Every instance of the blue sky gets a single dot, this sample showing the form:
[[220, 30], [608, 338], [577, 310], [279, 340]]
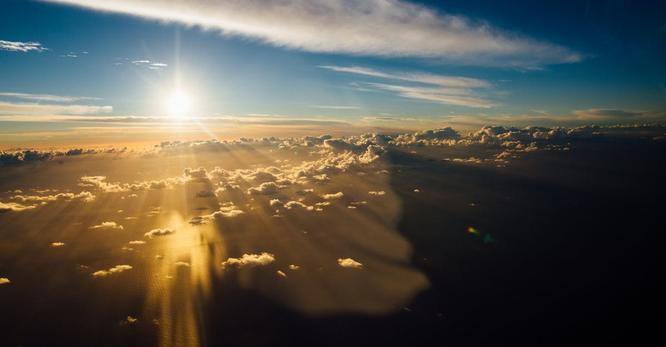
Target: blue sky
[[551, 61]]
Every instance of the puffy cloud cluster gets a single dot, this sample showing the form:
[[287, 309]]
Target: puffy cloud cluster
[[100, 183], [250, 260], [84, 196], [333, 196], [13, 206], [159, 232], [114, 270], [29, 202], [108, 226], [31, 156], [349, 263], [227, 210], [444, 136]]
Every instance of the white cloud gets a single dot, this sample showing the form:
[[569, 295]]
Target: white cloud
[[152, 65], [159, 232], [418, 77], [84, 195], [114, 270], [333, 196], [31, 109], [336, 107], [443, 89], [16, 46], [250, 260], [349, 263], [14, 207], [371, 27], [446, 96], [604, 114], [267, 188], [108, 226], [45, 97], [298, 206], [227, 210]]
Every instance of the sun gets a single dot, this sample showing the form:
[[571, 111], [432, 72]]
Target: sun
[[178, 104]]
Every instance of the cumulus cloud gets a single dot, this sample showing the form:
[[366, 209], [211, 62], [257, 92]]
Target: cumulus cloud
[[114, 270], [15, 207], [328, 25], [333, 196], [84, 196], [298, 206], [349, 263], [108, 226], [266, 188], [100, 183], [17, 46], [159, 232], [249, 260], [227, 210]]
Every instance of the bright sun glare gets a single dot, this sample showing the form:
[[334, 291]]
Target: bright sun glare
[[179, 104]]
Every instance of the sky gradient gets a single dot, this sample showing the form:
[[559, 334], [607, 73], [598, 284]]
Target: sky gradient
[[72, 65]]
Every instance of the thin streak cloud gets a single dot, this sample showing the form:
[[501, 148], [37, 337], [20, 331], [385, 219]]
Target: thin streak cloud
[[443, 89], [45, 97], [24, 47]]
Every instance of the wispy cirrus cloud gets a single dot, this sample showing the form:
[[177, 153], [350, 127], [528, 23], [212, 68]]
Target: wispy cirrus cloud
[[336, 107], [389, 28], [443, 89], [17, 46], [426, 78], [152, 65], [45, 97], [18, 106], [596, 114], [32, 109]]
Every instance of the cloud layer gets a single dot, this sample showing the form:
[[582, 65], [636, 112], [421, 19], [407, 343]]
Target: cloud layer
[[371, 27]]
